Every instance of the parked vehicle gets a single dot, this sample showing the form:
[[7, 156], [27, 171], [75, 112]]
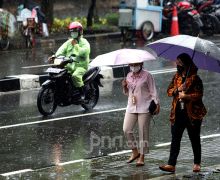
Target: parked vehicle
[[208, 16], [140, 16], [59, 90], [188, 17]]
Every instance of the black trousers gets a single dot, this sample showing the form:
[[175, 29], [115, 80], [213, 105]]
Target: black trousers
[[193, 128]]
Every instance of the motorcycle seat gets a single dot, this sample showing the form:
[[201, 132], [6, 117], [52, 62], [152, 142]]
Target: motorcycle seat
[[90, 74]]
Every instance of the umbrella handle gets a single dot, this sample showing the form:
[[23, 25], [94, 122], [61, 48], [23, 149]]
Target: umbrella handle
[[124, 71]]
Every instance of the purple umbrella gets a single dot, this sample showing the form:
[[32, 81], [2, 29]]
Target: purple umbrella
[[205, 54]]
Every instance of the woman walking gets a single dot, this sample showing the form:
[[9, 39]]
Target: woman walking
[[140, 88], [187, 110]]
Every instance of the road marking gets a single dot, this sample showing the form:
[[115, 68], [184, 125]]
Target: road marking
[[163, 71], [71, 162], [202, 137], [119, 152], [210, 136], [61, 118], [163, 144], [16, 172]]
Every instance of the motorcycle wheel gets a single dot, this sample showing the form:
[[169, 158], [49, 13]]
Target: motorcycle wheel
[[147, 31], [91, 96], [46, 101]]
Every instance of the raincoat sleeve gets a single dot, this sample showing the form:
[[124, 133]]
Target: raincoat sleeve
[[83, 48], [172, 89], [62, 49], [152, 88]]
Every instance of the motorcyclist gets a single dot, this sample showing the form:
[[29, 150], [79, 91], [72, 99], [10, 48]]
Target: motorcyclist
[[80, 48]]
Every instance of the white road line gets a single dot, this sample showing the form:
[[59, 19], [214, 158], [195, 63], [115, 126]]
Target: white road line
[[163, 71], [163, 144], [210, 136], [16, 172], [120, 152], [202, 137], [71, 162], [61, 118]]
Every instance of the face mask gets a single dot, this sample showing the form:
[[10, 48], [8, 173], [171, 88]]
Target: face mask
[[74, 35], [180, 69], [135, 69]]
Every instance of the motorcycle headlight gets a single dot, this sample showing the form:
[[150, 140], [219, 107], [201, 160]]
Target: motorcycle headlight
[[57, 61]]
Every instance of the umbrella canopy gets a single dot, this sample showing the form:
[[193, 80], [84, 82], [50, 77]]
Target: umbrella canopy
[[121, 57], [205, 54]]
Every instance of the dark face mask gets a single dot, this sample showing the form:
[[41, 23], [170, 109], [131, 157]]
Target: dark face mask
[[180, 69]]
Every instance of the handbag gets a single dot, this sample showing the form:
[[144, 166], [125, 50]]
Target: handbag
[[152, 107]]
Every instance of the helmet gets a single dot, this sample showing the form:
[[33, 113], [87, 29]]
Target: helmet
[[76, 26]]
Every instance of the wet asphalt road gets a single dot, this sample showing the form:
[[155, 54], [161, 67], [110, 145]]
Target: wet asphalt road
[[30, 141]]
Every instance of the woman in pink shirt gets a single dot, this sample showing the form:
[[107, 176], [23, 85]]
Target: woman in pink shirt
[[140, 88]]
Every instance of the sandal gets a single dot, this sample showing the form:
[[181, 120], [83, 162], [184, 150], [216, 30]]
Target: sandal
[[131, 160]]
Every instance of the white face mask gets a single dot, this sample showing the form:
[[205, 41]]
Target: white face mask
[[135, 69], [74, 35]]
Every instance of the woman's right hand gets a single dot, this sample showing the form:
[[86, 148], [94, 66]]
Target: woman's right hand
[[124, 86], [51, 58]]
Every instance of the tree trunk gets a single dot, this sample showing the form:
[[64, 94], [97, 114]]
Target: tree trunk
[[91, 13], [1, 3], [47, 9]]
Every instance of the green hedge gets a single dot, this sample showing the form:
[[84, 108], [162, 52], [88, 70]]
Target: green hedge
[[110, 20]]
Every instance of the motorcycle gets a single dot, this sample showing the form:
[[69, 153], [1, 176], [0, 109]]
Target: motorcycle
[[208, 16], [189, 19], [59, 89]]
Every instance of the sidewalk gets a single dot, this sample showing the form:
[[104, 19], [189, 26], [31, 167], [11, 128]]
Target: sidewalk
[[30, 81], [114, 166]]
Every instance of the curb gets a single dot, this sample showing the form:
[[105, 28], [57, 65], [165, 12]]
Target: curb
[[31, 81]]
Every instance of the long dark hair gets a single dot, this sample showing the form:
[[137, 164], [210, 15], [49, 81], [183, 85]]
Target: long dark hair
[[187, 62]]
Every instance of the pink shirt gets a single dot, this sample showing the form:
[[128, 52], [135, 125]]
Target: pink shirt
[[142, 86]]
